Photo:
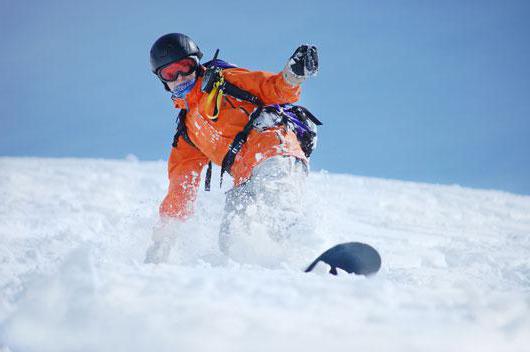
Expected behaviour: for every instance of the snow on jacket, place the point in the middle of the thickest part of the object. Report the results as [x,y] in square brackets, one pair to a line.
[212,138]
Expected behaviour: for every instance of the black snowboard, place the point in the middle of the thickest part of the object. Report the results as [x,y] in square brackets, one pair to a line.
[352,257]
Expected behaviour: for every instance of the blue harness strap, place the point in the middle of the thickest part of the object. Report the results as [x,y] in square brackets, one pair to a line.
[219,63]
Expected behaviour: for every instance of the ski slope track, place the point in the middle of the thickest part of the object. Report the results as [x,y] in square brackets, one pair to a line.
[73,234]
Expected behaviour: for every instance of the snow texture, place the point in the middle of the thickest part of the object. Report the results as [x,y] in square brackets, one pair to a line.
[455,274]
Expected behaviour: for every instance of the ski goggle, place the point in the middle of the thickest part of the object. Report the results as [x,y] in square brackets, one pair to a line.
[172,71]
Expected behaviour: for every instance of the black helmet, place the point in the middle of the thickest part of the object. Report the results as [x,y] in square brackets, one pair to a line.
[172,47]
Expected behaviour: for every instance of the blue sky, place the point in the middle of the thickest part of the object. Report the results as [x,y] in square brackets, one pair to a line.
[425,91]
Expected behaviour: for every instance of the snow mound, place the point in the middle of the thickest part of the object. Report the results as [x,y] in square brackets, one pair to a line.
[455,274]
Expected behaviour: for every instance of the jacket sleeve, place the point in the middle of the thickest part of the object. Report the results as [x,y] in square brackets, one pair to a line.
[269,87]
[184,170]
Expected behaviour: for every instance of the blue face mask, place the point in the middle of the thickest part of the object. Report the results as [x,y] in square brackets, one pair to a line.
[183,88]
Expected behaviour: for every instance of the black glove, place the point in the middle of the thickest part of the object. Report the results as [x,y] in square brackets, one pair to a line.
[302,64]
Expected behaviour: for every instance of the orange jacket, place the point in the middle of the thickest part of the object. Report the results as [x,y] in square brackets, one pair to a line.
[213,137]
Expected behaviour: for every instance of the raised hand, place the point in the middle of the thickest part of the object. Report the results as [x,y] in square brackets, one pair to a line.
[302,64]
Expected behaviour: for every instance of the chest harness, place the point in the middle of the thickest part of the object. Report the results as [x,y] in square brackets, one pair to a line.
[295,117]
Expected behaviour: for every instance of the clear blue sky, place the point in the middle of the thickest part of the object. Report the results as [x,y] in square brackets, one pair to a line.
[430,91]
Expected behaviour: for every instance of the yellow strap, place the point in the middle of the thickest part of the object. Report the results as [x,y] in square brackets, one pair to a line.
[218,93]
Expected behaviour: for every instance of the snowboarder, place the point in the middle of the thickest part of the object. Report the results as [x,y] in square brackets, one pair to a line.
[243,121]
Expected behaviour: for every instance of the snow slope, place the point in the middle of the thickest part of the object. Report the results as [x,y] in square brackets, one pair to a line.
[455,275]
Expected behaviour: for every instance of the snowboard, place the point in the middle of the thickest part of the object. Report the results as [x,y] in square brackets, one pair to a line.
[352,257]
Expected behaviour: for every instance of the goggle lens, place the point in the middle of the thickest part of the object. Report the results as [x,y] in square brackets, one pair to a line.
[172,71]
